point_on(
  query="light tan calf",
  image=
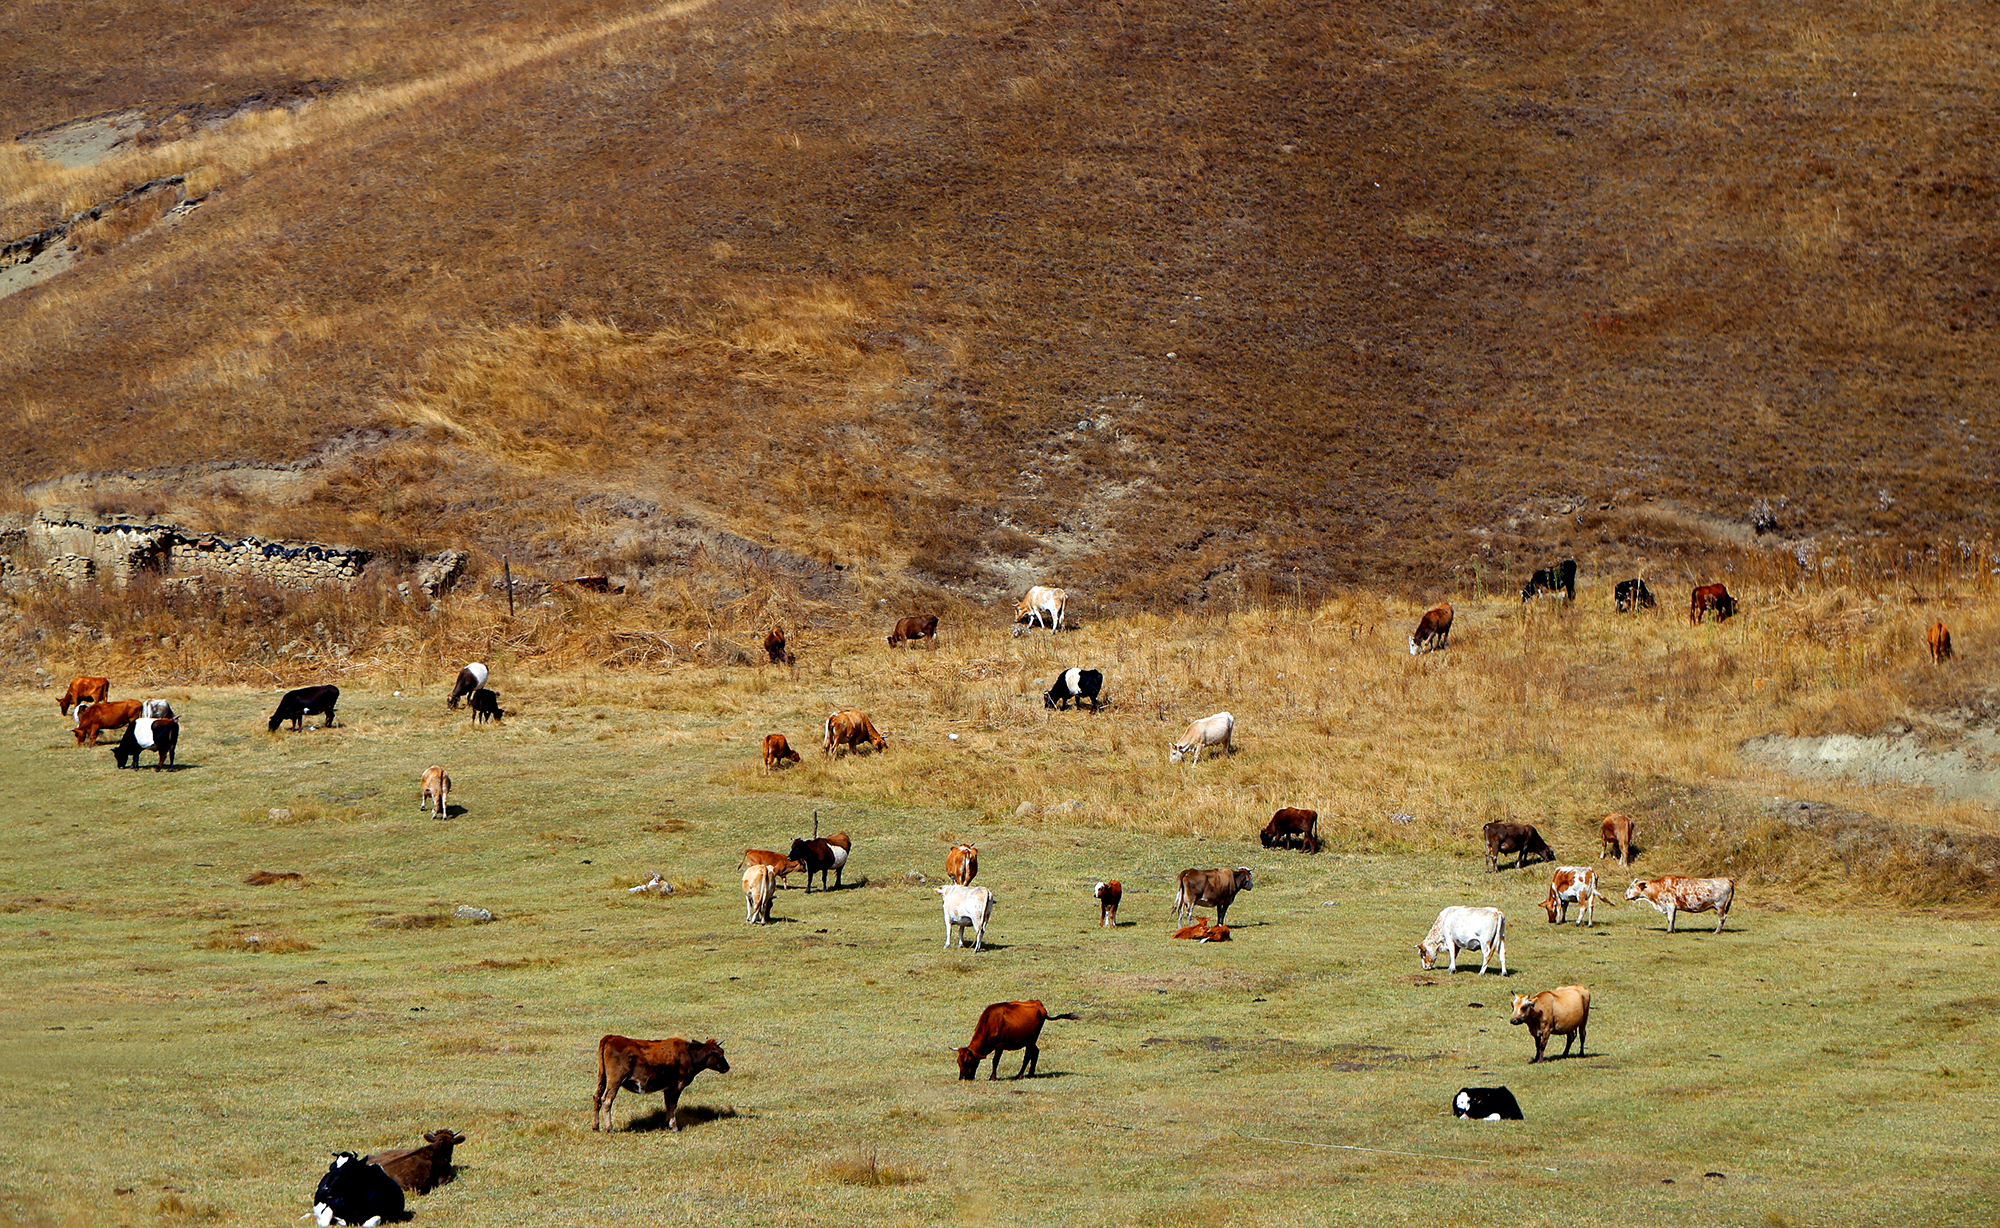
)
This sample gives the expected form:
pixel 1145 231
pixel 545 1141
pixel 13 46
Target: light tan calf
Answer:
pixel 1563 1012
pixel 436 788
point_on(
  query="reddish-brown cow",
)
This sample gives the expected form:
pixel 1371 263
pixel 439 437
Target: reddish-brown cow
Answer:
pixel 1939 640
pixel 921 627
pixel 777 752
pixel 93 719
pixel 1617 830
pixel 961 864
pixel 664 1066
pixel 1711 597
pixel 850 728
pixel 1108 895
pixel 418 1169
pixel 1003 1026
pixel 1290 827
pixel 84 690
pixel 778 862
pixel 1433 629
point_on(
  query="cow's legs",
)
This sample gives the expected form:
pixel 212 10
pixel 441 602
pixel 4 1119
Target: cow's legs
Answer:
pixel 606 1093
pixel 672 1098
pixel 1670 918
pixel 1501 942
pixel 1028 1059
pixel 1454 957
pixel 995 1073
pixel 1485 956
pixel 1720 917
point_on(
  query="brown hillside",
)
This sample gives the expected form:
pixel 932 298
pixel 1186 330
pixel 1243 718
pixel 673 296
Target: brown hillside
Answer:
pixel 1150 299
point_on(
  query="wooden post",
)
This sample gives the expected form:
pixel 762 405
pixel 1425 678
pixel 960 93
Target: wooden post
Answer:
pixel 507 566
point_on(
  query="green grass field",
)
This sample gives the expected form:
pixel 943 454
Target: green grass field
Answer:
pixel 181 1047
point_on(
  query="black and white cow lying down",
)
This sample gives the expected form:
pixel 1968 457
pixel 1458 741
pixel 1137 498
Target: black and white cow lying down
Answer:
pixel 356 1192
pixel 1486 1104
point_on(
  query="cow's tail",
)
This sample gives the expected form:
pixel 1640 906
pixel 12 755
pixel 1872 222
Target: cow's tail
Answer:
pixel 826 741
pixel 1067 1015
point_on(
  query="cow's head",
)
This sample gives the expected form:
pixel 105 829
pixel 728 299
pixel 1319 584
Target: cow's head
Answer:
pixel 1427 954
pixel 1637 891
pixel 707 1055
pixel 1049 698
pixel 968 1064
pixel 1524 1010
pixel 1551 904
pixel 1243 878
pixel 800 851
pixel 444 1138
pixel 1176 751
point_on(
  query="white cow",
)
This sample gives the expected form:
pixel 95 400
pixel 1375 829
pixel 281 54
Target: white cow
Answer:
pixel 760 884
pixel 1040 601
pixel 1208 731
pixel 966 906
pixel 157 709
pixel 1481 929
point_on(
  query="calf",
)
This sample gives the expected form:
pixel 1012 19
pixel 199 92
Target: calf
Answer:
pixel 643 1066
pixel 1461 927
pixel 1074 686
pixel 1040 602
pixel 1563 1012
pixel 1208 731
pixel 966 907
pixel 420 1169
pixel 1573 885
pixel 775 650
pixel 1939 640
pixel 850 728
pixel 1433 629
pixel 1519 838
pixel 1108 895
pixel 434 787
pixel 1711 597
pixel 470 679
pixel 780 864
pixel 94 718
pixel 84 689
pixel 1673 893
pixel 1289 827
pixel 1617 832
pixel 1632 595
pixel 777 752
pixel 961 864
pixel 356 1192
pixel 307 701
pixel 822 855
pixel 486 707
pixel 161 735
pixel 1003 1026
pixel 760 887
pixel 1486 1104
pixel 1216 888
pixel 1202 931
pixel 921 627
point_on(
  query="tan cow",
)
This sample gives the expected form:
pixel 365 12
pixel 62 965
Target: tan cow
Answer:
pixel 1203 931
pixel 1563 1012
pixel 1617 831
pixel 1939 640
pixel 760 887
pixel 777 752
pixel 961 864
pixel 436 787
pixel 84 690
pixel 1671 893
pixel 850 727
pixel 1040 602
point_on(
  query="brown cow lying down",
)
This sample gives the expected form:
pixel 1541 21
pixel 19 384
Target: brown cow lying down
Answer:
pixel 664 1066
pixel 1563 1012
pixel 1202 931
pixel 419 1169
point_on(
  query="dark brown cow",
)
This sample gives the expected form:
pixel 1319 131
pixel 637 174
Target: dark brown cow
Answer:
pixel 774 648
pixel 1216 888
pixel 920 627
pixel 1711 597
pixel 850 728
pixel 1617 831
pixel 419 1169
pixel 1433 629
pixel 1518 838
pixel 822 855
pixel 1108 895
pixel 1939 640
pixel 93 691
pixel 1003 1026
pixel 664 1066
pixel 93 719
pixel 1291 827
pixel 777 752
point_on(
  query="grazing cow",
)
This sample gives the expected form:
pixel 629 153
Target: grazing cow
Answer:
pixel 486 707
pixel 1003 1026
pixel 760 887
pixel 963 907
pixel 1518 838
pixel 307 701
pixel 356 1192
pixel 1208 731
pixel 1711 597
pixel 1939 640
pixel 850 728
pixel 777 752
pixel 775 650
pixel 156 708
pixel 435 787
pixel 1617 831
pixel 961 864
pixel 1216 888
pixel 822 855
pixel 1486 1104
pixel 1291 827
pixel 1461 927
pixel 1202 931
pixel 643 1066
pixel 1573 885
pixel 161 735
pixel 1671 893
pixel 94 718
pixel 780 864
pixel 1433 629
pixel 420 1169
pixel 84 690
pixel 1632 595
pixel 1042 601
pixel 1108 895
pixel 470 679
pixel 1563 1012
pixel 920 627
pixel 1074 685
pixel 1558 579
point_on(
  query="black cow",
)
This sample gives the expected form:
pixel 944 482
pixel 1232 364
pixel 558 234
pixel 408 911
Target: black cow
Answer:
pixel 486 707
pixel 1632 595
pixel 356 1192
pixel 1486 1104
pixel 822 855
pixel 307 701
pixel 157 734
pixel 1558 579
pixel 1077 685
pixel 1519 838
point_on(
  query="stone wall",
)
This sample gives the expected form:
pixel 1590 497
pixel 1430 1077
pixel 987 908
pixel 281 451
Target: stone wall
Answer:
pixel 72 550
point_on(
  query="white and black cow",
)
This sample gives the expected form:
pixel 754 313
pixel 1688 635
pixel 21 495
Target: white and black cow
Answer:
pixel 159 734
pixel 1074 684
pixel 1486 1104
pixel 470 679
pixel 356 1192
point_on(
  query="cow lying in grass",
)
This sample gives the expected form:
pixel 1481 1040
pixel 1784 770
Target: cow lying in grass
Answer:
pixel 420 1169
pixel 356 1192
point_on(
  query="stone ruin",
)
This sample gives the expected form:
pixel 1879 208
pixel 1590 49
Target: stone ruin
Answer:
pixel 72 550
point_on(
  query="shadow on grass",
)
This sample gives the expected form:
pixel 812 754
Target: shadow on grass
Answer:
pixel 690 1115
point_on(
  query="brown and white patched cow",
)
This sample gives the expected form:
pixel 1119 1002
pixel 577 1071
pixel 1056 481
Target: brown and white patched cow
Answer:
pixel 1673 893
pixel 961 864
pixel 1573 885
pixel 850 728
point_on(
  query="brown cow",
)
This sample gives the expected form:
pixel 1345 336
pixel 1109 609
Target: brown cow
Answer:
pixel 774 648
pixel 822 855
pixel 1563 1012
pixel 779 863
pixel 1617 830
pixel 1216 888
pixel 434 789
pixel 850 728
pixel 1291 826
pixel 1939 640
pixel 92 690
pixel 1108 895
pixel 94 718
pixel 1433 629
pixel 1518 838
pixel 961 864
pixel 777 752
pixel 1711 597
pixel 1202 931
pixel 1003 1026
pixel 419 1169
pixel 664 1066
pixel 921 627
pixel 1671 893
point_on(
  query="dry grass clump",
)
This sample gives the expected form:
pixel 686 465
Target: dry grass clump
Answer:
pixel 412 921
pixel 863 1168
pixel 266 878
pixel 255 941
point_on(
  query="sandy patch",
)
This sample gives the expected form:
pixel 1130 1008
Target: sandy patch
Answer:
pixel 82 142
pixel 1964 770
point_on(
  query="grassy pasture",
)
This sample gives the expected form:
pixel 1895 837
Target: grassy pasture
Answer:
pixel 181 1047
